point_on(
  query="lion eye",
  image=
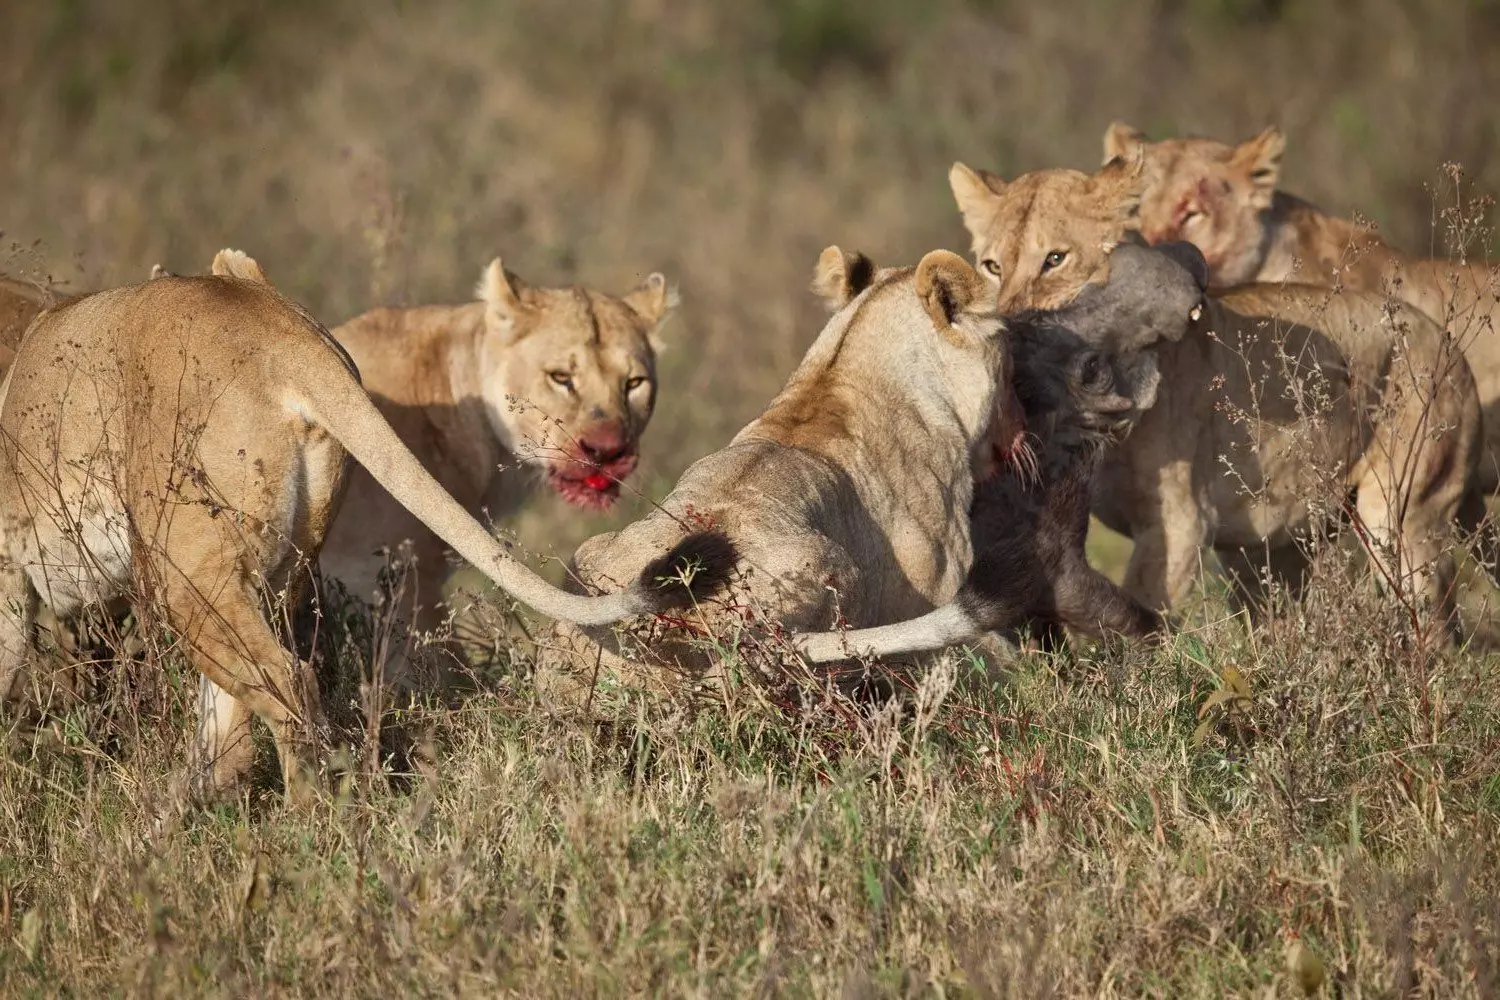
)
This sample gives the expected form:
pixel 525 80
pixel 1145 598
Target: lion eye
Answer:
pixel 634 382
pixel 990 265
pixel 1054 259
pixel 564 379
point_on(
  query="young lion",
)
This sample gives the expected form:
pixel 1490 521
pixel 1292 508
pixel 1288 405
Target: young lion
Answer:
pixel 1286 394
pixel 850 493
pixel 183 442
pixel 562 380
pixel 1083 376
pixel 1224 199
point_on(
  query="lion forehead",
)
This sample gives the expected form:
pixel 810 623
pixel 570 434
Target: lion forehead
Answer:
pixel 563 319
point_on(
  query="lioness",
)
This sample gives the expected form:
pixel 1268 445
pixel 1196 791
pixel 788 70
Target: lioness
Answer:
pixel 1224 199
pixel 1083 376
pixel 849 495
pixel 183 441
pixel 1283 389
pixel 562 380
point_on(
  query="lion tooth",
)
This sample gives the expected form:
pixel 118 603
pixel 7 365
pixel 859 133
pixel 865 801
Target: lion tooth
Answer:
pixel 1197 313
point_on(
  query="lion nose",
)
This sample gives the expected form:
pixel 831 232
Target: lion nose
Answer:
pixel 604 443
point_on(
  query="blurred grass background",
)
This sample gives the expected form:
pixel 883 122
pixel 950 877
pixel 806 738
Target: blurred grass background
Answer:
pixel 380 152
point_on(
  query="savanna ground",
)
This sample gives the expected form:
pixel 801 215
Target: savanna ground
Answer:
pixel 1059 827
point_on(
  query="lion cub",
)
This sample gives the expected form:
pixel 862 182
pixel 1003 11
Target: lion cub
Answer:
pixel 561 381
pixel 848 496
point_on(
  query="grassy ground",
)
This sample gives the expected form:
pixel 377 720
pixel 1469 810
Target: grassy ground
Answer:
pixel 1060 827
pixel 1066 827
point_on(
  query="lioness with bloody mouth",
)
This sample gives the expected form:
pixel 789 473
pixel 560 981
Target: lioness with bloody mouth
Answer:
pixel 557 380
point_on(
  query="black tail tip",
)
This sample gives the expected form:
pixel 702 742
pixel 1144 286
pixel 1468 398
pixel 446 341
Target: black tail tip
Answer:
pixel 691 570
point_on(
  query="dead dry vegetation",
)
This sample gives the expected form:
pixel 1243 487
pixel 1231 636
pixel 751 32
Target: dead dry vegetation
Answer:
pixel 1238 813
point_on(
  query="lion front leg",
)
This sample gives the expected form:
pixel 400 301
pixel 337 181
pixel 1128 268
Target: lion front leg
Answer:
pixel 1413 554
pixel 1166 555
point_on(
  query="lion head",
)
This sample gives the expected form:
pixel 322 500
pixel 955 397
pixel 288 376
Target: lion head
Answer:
pixel 1046 234
pixel 569 378
pixel 1212 194
pixel 1056 240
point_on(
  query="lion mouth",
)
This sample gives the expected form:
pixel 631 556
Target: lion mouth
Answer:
pixel 591 486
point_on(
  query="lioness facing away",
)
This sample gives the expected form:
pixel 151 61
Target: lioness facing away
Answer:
pixel 1224 199
pixel 183 442
pixel 1286 399
pixel 848 496
pixel 558 380
pixel 1083 375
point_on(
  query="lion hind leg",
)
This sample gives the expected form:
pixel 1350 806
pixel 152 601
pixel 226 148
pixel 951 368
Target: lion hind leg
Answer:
pixel 249 671
pixel 18 610
pixel 1413 552
pixel 223 750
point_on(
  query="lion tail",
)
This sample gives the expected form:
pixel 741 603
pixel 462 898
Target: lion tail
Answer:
pixel 954 622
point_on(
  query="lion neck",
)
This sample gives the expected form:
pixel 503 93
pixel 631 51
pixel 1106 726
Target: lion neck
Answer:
pixel 891 416
pixel 458 407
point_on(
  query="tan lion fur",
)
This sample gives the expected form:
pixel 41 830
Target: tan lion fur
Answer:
pixel 469 391
pixel 849 495
pixel 1223 198
pixel 1402 427
pixel 182 442
pixel 20 303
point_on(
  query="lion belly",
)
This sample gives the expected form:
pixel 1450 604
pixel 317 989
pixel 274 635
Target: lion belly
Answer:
pixel 70 569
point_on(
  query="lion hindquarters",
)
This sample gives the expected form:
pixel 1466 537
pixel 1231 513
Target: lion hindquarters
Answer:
pixel 1412 483
pixel 694 569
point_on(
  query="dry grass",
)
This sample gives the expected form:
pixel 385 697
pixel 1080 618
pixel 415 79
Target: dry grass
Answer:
pixel 1054 829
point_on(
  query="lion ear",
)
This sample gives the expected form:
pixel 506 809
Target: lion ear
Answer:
pixel 976 192
pixel 238 264
pixel 157 271
pixel 1260 159
pixel 500 291
pixel 653 299
pixel 949 286
pixel 840 276
pixel 1121 141
pixel 1120 183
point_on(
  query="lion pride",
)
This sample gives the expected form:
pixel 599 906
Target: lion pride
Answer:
pixel 1287 399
